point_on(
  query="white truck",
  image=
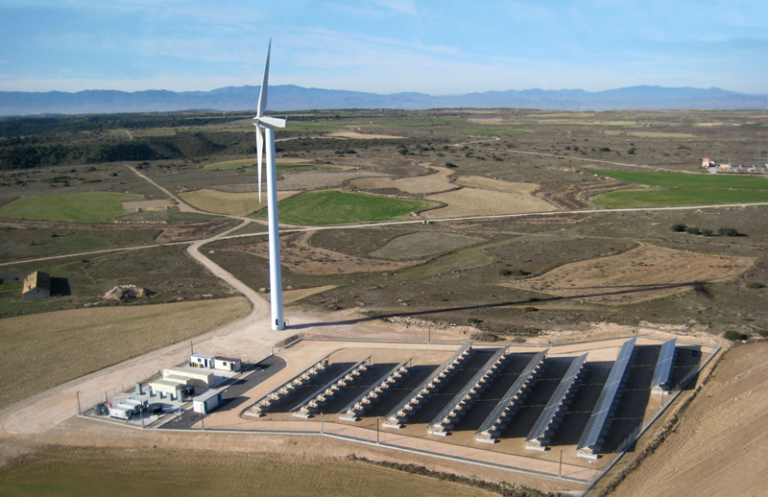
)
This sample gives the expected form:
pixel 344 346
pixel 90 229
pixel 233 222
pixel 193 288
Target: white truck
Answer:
pixel 120 412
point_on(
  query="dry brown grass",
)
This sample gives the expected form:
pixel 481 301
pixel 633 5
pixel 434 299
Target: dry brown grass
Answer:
pixel 422 244
pixel 496 184
pixel 235 204
pixel 644 273
pixel 429 183
pixel 474 202
pixel 362 136
pixel 44 350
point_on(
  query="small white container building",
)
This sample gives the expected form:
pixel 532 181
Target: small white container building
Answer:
pixel 202 361
pixel 207 402
pixel 227 364
pixel 120 412
pixel 194 375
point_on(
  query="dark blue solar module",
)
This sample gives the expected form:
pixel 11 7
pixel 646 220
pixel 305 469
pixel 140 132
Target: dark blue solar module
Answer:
pixel 664 364
pixel 597 420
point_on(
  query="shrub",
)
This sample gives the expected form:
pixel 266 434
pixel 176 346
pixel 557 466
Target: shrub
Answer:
pixel 707 232
pixel 754 285
pixel 733 335
pixel 484 336
pixel 505 272
pixel 763 333
pixel 530 309
pixel 474 321
pixel 729 232
pixel 678 228
pixel 693 230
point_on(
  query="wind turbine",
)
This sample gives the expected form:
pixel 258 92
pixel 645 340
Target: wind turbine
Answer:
pixel 268 124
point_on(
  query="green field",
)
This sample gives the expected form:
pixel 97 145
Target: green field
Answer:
pixel 82 471
pixel 682 180
pixel 233 164
pixel 336 207
pixel 88 207
pixel 677 197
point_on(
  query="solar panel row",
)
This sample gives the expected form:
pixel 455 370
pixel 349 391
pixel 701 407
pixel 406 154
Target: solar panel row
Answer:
pixel 462 401
pixel 375 393
pixel 598 422
pixel 315 400
pixel 289 387
pixel 546 423
pixel 507 406
pixel 421 394
pixel 664 365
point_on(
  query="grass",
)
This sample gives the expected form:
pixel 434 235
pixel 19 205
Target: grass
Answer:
pixel 229 165
pixel 680 180
pixel 76 342
pixel 88 207
pixel 677 197
pixel 250 166
pixel 336 207
pixel 236 204
pixel 78 471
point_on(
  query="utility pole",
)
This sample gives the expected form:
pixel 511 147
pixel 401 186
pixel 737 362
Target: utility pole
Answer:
pixel 560 472
pixel 79 409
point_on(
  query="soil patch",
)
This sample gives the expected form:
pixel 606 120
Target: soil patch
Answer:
pixel 496 185
pixel 235 204
pixel 474 202
pixel 299 257
pixel 429 183
pixel 644 273
pixel 422 244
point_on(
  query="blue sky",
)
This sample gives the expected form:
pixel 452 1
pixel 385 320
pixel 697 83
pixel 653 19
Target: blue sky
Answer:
pixel 444 47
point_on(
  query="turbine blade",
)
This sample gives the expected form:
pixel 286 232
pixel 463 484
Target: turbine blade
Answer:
pixel 259 152
pixel 273 122
pixel 264 83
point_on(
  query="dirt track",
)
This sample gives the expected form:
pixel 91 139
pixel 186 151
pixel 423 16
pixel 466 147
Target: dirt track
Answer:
pixel 720 444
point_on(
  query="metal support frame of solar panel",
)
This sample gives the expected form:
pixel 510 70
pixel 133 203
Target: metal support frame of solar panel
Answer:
pixel 309 398
pixel 594 428
pixel 258 403
pixel 471 384
pixel 416 391
pixel 663 366
pixel 376 385
pixel 547 416
pixel 509 397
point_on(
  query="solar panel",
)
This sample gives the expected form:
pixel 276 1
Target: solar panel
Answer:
pixel 539 430
pixel 508 398
pixel 459 397
pixel 329 384
pixel 416 391
pixel 375 385
pixel 664 363
pixel 604 403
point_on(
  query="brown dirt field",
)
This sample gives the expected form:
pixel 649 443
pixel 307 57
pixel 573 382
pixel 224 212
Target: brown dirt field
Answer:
pixel 422 244
pixel 301 258
pixel 235 204
pixel 362 136
pixel 291 296
pixel 474 202
pixel 644 273
pixel 655 134
pixel 317 179
pixel 496 185
pixel 72 343
pixel 719 447
pixel 430 183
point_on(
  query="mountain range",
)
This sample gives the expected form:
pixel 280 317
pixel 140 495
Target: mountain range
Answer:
pixel 291 97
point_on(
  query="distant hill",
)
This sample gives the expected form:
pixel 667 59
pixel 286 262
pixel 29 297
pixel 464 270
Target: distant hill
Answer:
pixel 290 97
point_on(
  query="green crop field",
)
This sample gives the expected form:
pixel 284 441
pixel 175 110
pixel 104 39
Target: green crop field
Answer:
pixel 676 197
pixel 336 207
pixel 88 207
pixel 682 180
pixel 81 471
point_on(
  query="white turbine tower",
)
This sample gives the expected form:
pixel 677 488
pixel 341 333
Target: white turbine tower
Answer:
pixel 269 124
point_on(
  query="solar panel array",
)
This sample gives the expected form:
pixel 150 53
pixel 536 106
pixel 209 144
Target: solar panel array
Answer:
pixel 509 397
pixel 388 380
pixel 592 432
pixel 664 363
pixel 460 397
pixel 329 385
pixel 539 430
pixel 419 390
